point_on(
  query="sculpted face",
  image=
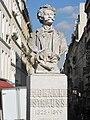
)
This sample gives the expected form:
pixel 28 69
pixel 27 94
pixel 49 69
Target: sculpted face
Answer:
pixel 48 17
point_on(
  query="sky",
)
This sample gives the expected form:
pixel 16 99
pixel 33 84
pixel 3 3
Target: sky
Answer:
pixel 66 14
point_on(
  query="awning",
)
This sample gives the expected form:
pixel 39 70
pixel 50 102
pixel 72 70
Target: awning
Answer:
pixel 5 84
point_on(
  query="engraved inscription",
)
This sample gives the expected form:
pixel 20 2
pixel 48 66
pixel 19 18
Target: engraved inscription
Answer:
pixel 48 93
pixel 48 112
pixel 48 103
pixel 48 119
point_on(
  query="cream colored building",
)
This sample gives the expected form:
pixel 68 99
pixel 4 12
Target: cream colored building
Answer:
pixel 82 20
pixel 15 29
pixel 5 40
pixel 26 29
pixel 14 33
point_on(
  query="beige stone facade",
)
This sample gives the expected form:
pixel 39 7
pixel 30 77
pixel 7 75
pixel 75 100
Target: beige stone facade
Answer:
pixel 15 28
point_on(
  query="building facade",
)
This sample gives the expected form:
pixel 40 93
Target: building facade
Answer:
pixel 15 28
pixel 77 68
pixel 87 10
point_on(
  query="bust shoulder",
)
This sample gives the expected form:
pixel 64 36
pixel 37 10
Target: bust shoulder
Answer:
pixel 61 34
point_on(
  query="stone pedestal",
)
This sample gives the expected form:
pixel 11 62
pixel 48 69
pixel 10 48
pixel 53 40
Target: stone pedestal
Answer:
pixel 48 97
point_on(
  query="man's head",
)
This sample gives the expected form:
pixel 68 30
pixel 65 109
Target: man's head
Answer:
pixel 46 14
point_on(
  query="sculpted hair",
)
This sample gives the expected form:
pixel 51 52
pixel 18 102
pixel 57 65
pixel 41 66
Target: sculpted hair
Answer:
pixel 40 12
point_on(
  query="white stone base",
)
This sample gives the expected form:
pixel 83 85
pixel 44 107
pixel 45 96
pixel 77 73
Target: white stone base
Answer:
pixel 48 100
